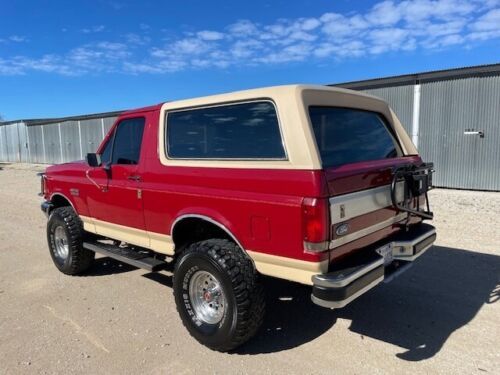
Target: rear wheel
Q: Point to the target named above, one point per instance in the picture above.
(65, 239)
(217, 294)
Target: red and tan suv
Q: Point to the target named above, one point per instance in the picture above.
(316, 185)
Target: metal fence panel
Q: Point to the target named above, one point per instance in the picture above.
(70, 138)
(108, 123)
(23, 142)
(12, 143)
(35, 143)
(52, 144)
(449, 108)
(91, 131)
(400, 98)
(3, 145)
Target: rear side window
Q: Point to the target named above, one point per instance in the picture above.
(346, 135)
(127, 141)
(236, 131)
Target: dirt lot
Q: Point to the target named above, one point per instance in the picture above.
(442, 316)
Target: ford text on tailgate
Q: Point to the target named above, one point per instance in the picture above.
(316, 185)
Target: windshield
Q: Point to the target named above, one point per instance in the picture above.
(345, 135)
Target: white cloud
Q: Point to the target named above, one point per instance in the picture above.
(385, 13)
(17, 38)
(137, 39)
(210, 35)
(93, 29)
(488, 22)
(388, 26)
(242, 28)
(309, 24)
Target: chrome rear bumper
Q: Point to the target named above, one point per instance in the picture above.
(339, 287)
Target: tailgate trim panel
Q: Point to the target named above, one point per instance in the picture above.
(366, 231)
(362, 202)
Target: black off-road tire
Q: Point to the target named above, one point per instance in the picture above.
(78, 259)
(245, 303)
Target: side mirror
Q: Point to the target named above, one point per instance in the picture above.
(93, 160)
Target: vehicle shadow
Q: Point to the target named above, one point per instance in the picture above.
(417, 311)
(160, 278)
(108, 266)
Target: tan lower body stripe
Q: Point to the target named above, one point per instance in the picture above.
(270, 265)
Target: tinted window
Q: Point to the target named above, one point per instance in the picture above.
(238, 131)
(348, 136)
(127, 143)
(106, 152)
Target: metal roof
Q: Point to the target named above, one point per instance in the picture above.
(431, 76)
(42, 121)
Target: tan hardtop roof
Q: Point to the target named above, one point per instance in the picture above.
(291, 103)
(264, 92)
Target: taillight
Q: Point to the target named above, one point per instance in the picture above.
(315, 224)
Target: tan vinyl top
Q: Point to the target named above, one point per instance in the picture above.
(291, 102)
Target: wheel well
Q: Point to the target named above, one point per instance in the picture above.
(59, 201)
(194, 229)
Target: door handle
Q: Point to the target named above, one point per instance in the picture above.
(134, 177)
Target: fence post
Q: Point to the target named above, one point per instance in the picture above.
(80, 139)
(416, 114)
(43, 145)
(60, 142)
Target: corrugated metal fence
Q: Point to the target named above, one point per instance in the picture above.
(52, 143)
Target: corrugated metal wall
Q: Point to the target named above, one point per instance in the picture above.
(447, 109)
(401, 100)
(13, 147)
(52, 143)
(35, 144)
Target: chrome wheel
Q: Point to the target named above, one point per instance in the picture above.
(207, 297)
(61, 243)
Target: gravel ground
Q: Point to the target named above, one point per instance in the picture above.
(441, 316)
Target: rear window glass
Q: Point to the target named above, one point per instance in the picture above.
(236, 131)
(345, 135)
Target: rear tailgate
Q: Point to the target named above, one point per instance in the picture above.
(361, 210)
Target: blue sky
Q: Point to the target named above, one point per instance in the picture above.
(61, 58)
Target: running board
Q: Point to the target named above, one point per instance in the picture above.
(140, 259)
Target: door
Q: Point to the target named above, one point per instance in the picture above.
(460, 132)
(115, 200)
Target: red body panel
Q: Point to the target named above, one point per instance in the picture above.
(260, 207)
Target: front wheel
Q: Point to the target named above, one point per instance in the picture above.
(65, 238)
(217, 294)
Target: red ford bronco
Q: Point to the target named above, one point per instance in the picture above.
(316, 185)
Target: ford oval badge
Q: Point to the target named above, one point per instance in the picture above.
(342, 229)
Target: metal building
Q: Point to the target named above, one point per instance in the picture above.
(52, 141)
(453, 116)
